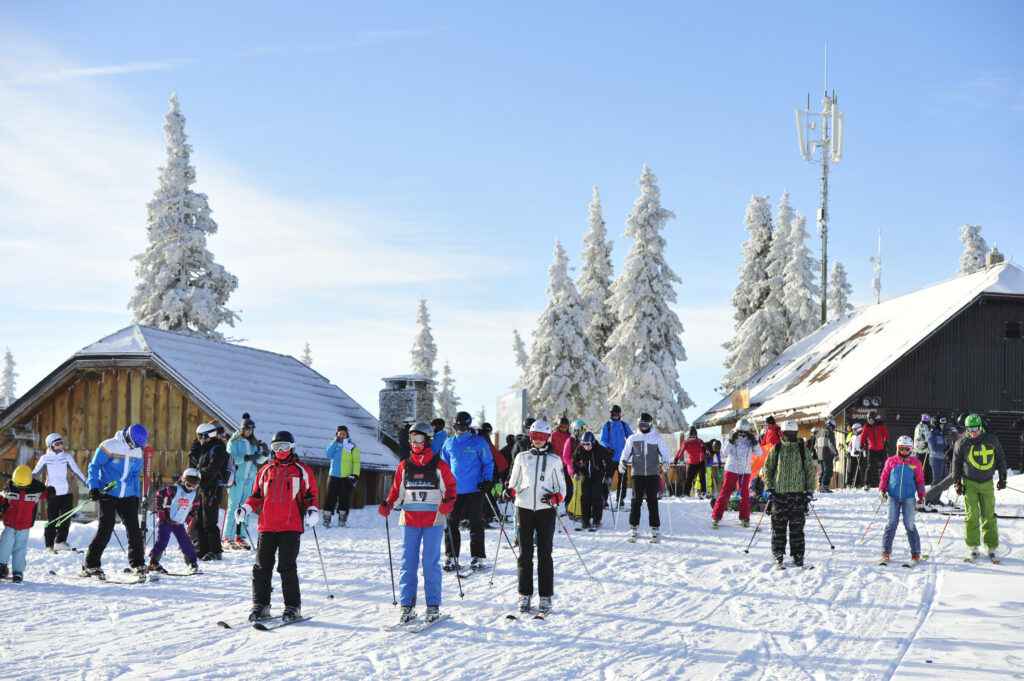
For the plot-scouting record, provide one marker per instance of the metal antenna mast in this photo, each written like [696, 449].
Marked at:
[830, 120]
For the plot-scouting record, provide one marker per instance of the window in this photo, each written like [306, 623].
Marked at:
[1012, 330]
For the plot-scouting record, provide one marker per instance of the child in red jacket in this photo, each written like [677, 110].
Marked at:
[285, 496]
[694, 451]
[18, 507]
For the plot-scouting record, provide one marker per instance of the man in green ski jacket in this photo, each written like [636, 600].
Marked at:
[789, 482]
[974, 457]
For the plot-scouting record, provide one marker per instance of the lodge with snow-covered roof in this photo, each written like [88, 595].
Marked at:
[949, 348]
[171, 382]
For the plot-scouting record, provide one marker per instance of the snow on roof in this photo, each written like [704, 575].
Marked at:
[278, 391]
[821, 373]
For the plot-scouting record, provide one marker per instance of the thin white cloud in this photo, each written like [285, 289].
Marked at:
[33, 76]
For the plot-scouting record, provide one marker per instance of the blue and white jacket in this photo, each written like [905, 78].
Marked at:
[115, 461]
[614, 435]
[469, 457]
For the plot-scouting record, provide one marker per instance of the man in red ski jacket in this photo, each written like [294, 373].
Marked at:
[874, 437]
[772, 433]
[285, 496]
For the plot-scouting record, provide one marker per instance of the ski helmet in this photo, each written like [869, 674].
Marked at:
[135, 435]
[422, 428]
[205, 430]
[815, 430]
[904, 445]
[856, 427]
[790, 426]
[540, 427]
[578, 428]
[191, 477]
[527, 422]
[770, 420]
[22, 476]
[52, 438]
[589, 439]
[462, 421]
[744, 426]
[973, 425]
[925, 418]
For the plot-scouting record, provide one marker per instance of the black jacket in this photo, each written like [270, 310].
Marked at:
[595, 463]
[213, 465]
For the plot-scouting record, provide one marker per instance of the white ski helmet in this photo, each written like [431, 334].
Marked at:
[904, 441]
[207, 429]
[744, 426]
[53, 437]
[790, 426]
[540, 426]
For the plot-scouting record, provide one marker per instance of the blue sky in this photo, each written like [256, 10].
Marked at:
[359, 156]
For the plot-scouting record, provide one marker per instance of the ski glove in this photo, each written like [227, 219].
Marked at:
[354, 479]
[959, 486]
[885, 495]
[768, 493]
[808, 498]
[509, 495]
[552, 498]
[241, 512]
[484, 486]
[622, 469]
[94, 494]
[384, 510]
[1002, 482]
[312, 517]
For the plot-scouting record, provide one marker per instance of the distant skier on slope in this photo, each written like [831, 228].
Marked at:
[902, 479]
[740, 445]
[974, 458]
[789, 480]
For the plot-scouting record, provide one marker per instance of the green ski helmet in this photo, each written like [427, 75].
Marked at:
[973, 425]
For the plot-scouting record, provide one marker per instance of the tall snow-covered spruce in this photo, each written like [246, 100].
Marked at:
[801, 293]
[447, 400]
[646, 344]
[7, 380]
[424, 350]
[839, 291]
[973, 257]
[564, 377]
[307, 356]
[522, 359]
[595, 280]
[180, 287]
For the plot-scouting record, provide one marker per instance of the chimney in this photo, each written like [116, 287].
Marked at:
[405, 400]
[993, 257]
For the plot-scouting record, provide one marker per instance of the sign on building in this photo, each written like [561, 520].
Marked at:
[510, 413]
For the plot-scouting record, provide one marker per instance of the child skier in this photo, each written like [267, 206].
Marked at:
[902, 479]
[590, 463]
[285, 496]
[18, 507]
[738, 449]
[425, 487]
[57, 463]
[789, 481]
[174, 505]
[537, 486]
[343, 476]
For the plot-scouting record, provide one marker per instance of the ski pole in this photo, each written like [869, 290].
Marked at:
[830, 544]
[391, 565]
[59, 520]
[245, 526]
[114, 532]
[566, 530]
[501, 528]
[330, 596]
[880, 501]
[458, 570]
[758, 527]
[943, 533]
[497, 549]
[1015, 489]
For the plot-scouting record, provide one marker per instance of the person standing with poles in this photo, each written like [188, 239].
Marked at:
[828, 452]
[902, 479]
[424, 489]
[922, 433]
[58, 501]
[937, 451]
[739, 448]
[245, 450]
[590, 461]
[788, 479]
[647, 452]
[874, 437]
[469, 457]
[214, 469]
[856, 467]
[614, 434]
[537, 487]
[974, 458]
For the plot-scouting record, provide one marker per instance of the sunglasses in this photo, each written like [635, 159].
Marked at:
[281, 446]
[417, 438]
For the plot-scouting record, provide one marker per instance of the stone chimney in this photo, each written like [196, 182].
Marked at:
[405, 400]
[993, 257]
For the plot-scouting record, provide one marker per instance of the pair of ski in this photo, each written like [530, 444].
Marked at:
[780, 566]
[909, 564]
[992, 559]
[415, 625]
[79, 578]
[266, 624]
[652, 540]
[518, 614]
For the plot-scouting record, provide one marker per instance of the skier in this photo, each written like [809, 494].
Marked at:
[789, 480]
[117, 460]
[58, 501]
[856, 466]
[874, 437]
[285, 496]
[343, 477]
[174, 505]
[772, 434]
[248, 456]
[974, 457]
[693, 451]
[590, 462]
[537, 487]
[739, 448]
[937, 451]
[214, 467]
[469, 457]
[922, 433]
[18, 501]
[439, 435]
[425, 487]
[647, 452]
[613, 437]
[828, 451]
[902, 479]
[561, 440]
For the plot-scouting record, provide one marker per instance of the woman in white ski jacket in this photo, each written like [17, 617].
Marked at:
[537, 486]
[57, 463]
[739, 447]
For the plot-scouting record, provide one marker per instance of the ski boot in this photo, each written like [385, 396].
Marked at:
[885, 558]
[476, 563]
[241, 545]
[544, 607]
[327, 519]
[154, 566]
[778, 563]
[3, 570]
[432, 614]
[798, 561]
[93, 572]
[50, 551]
[714, 523]
[594, 527]
[524, 604]
[449, 564]
[259, 612]
[292, 613]
[632, 533]
[16, 577]
[972, 555]
[342, 518]
[586, 525]
[655, 531]
[408, 614]
[745, 522]
[915, 558]
[992, 554]
[139, 572]
[191, 568]
[62, 546]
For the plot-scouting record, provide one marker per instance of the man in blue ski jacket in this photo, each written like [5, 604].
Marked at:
[469, 457]
[614, 433]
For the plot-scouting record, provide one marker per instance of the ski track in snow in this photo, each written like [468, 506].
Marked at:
[693, 607]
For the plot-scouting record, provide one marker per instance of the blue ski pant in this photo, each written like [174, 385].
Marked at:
[13, 547]
[421, 544]
[906, 507]
[163, 536]
[236, 496]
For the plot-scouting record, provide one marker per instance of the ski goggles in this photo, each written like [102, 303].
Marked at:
[540, 438]
[903, 449]
[417, 438]
[58, 443]
[281, 446]
[974, 430]
[644, 424]
[191, 482]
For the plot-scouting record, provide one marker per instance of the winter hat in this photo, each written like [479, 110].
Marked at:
[925, 418]
[616, 409]
[693, 431]
[564, 421]
[770, 420]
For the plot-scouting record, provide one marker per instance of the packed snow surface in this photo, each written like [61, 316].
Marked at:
[694, 606]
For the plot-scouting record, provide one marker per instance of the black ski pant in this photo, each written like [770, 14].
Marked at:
[128, 509]
[57, 506]
[541, 522]
[286, 547]
[937, 489]
[788, 512]
[569, 488]
[856, 471]
[693, 471]
[338, 492]
[592, 503]
[825, 477]
[645, 485]
[466, 506]
[209, 531]
[876, 459]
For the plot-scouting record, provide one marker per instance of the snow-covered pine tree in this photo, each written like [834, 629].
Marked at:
[180, 287]
[521, 358]
[801, 294]
[751, 294]
[839, 291]
[307, 357]
[424, 350]
[7, 381]
[646, 344]
[595, 280]
[480, 416]
[447, 400]
[973, 257]
[564, 377]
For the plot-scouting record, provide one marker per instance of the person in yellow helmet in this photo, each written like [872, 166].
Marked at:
[18, 507]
